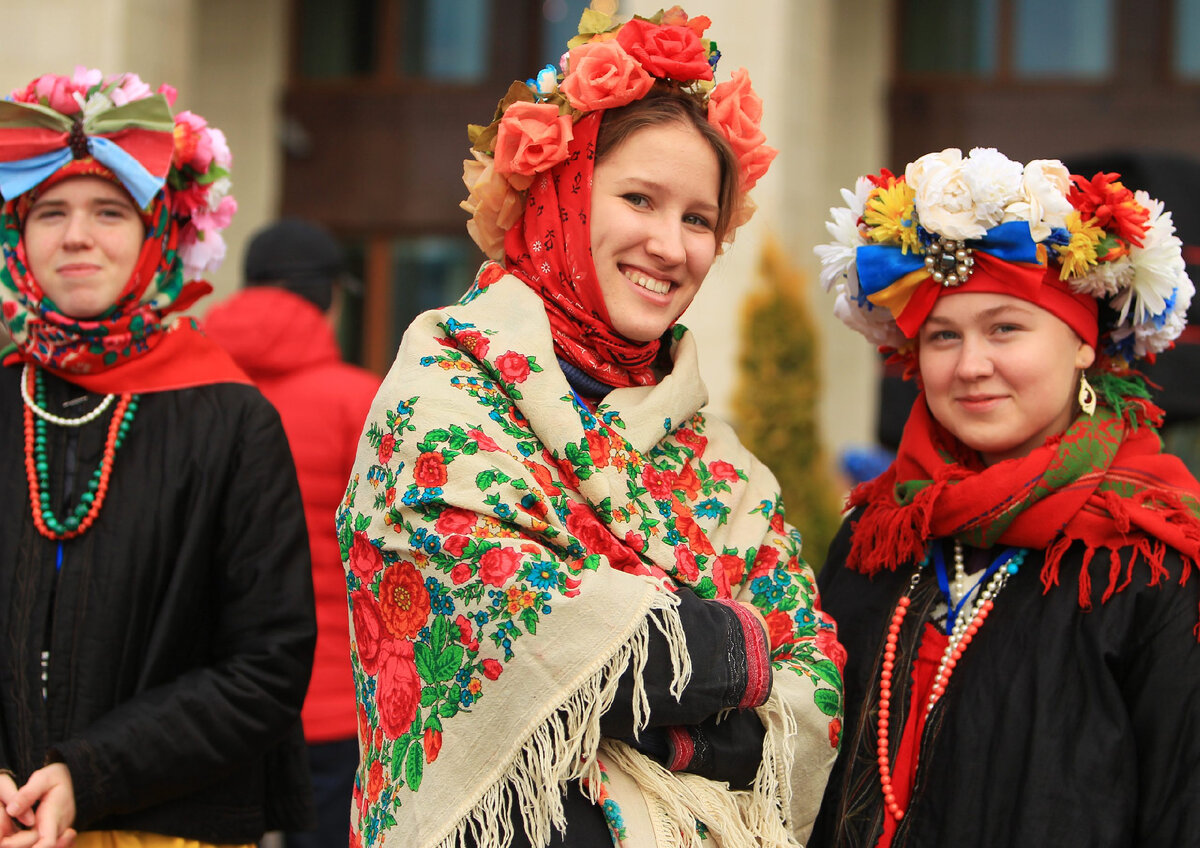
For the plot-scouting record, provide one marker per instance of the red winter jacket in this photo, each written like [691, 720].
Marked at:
[288, 348]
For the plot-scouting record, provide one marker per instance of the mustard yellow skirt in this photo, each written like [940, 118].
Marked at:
[138, 839]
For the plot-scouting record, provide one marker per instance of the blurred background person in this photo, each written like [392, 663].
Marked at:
[280, 329]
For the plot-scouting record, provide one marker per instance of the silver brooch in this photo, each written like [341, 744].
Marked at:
[949, 262]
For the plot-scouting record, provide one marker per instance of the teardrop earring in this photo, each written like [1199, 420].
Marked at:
[1087, 396]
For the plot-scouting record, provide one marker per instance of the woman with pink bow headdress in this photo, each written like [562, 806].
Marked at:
[156, 604]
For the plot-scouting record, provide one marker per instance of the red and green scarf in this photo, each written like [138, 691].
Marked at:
[1104, 482]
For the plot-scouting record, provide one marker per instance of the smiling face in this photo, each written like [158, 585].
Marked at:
[1000, 373]
[82, 238]
[654, 209]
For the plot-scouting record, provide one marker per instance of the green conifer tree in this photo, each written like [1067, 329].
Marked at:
[777, 396]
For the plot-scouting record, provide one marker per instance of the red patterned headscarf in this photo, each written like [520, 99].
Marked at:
[550, 249]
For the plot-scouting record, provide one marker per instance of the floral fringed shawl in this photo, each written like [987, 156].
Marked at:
[507, 553]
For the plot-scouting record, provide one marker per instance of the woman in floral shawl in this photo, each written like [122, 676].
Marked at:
[1016, 591]
[578, 615]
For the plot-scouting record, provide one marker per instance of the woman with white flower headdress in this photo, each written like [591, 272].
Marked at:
[1016, 592]
[579, 617]
[156, 607]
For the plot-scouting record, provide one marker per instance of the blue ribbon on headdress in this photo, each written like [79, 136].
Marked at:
[889, 277]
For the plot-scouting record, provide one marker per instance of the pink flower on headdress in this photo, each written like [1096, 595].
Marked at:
[201, 251]
[208, 219]
[58, 93]
[131, 88]
[532, 138]
[193, 145]
[603, 76]
[736, 111]
[666, 52]
[168, 91]
[220, 148]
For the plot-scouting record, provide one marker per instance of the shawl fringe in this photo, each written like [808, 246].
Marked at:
[753, 818]
[565, 745]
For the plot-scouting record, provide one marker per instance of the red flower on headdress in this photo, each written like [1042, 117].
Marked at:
[603, 76]
[736, 111]
[666, 52]
[532, 138]
[1114, 207]
[675, 16]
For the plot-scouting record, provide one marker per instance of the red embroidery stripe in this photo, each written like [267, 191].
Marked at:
[683, 746]
[758, 658]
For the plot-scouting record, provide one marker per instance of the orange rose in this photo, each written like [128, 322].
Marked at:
[494, 203]
[532, 138]
[667, 52]
[736, 111]
[603, 76]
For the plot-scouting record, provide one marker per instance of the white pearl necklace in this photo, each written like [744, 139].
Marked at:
[960, 574]
[57, 419]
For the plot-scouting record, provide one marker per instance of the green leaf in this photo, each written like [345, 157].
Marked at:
[438, 435]
[414, 765]
[828, 701]
[484, 479]
[434, 722]
[428, 696]
[449, 709]
[827, 671]
[439, 632]
[448, 663]
[426, 662]
[530, 618]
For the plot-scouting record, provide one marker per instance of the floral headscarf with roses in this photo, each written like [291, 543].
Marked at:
[175, 169]
[530, 178]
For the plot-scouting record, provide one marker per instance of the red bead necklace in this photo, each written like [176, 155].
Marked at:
[963, 632]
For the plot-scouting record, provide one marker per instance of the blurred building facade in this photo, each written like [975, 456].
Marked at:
[353, 114]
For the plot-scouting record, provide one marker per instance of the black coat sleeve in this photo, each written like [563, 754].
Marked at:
[212, 720]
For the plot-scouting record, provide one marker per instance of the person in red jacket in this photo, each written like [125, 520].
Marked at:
[279, 329]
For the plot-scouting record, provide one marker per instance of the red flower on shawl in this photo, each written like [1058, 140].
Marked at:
[689, 438]
[565, 469]
[835, 732]
[514, 367]
[828, 644]
[466, 634]
[658, 483]
[485, 442]
[386, 445]
[389, 497]
[667, 52]
[598, 446]
[461, 572]
[492, 669]
[374, 781]
[685, 564]
[698, 542]
[433, 744]
[472, 341]
[365, 558]
[780, 628]
[1114, 207]
[497, 565]
[723, 471]
[584, 525]
[430, 470]
[764, 561]
[777, 523]
[635, 541]
[735, 568]
[398, 689]
[688, 481]
[369, 631]
[403, 600]
[454, 520]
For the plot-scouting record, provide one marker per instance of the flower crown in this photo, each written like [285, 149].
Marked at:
[129, 129]
[929, 225]
[607, 65]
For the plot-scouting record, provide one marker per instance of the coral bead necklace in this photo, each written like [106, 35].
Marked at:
[37, 466]
[963, 630]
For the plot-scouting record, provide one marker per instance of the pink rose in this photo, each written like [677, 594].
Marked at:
[429, 472]
[365, 558]
[736, 111]
[667, 52]
[685, 564]
[375, 781]
[466, 634]
[461, 572]
[386, 446]
[722, 470]
[532, 138]
[485, 442]
[583, 524]
[514, 367]
[635, 541]
[828, 644]
[398, 690]
[492, 669]
[603, 76]
[369, 632]
[658, 483]
[59, 93]
[455, 520]
[497, 565]
[455, 545]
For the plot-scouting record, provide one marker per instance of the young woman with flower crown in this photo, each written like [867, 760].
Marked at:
[1016, 592]
[157, 602]
[578, 615]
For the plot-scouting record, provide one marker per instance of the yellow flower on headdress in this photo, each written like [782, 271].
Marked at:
[1079, 255]
[890, 214]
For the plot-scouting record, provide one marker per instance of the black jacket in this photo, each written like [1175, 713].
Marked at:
[179, 627]
[1059, 726]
